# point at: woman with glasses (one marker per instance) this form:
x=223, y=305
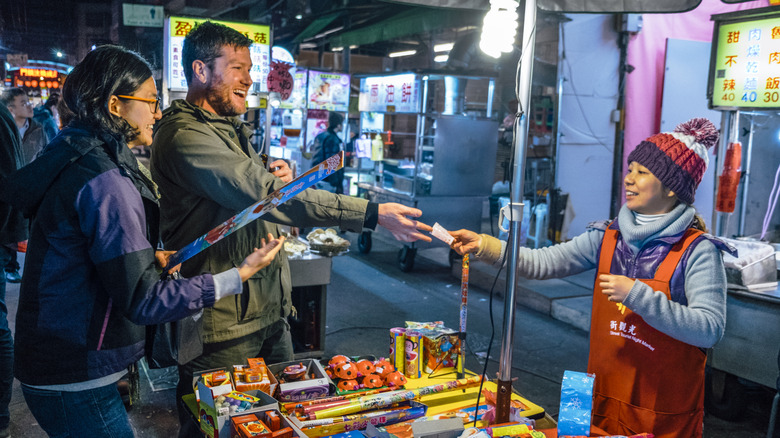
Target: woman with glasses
x=92, y=278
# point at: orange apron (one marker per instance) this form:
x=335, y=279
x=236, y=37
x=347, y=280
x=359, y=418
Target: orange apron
x=645, y=380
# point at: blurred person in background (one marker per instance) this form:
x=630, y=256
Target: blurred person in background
x=48, y=116
x=33, y=140
x=326, y=144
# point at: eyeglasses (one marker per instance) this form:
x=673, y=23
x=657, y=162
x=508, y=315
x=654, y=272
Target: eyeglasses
x=155, y=101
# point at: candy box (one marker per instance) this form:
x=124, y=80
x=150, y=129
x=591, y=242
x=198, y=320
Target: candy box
x=216, y=381
x=214, y=415
x=268, y=423
x=314, y=383
x=254, y=376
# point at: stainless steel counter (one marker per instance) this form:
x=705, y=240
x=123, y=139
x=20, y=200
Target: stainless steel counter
x=750, y=345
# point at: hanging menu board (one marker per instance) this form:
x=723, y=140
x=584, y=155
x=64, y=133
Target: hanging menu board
x=328, y=91
x=176, y=28
x=745, y=60
x=390, y=94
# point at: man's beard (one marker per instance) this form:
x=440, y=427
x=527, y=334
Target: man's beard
x=219, y=97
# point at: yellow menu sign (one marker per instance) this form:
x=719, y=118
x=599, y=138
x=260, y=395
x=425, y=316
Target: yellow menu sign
x=747, y=64
x=179, y=27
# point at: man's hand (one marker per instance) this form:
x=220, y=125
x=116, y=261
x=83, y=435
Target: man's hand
x=392, y=216
x=465, y=241
x=162, y=260
x=615, y=287
x=281, y=170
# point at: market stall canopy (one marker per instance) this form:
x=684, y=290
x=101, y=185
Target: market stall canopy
x=317, y=26
x=408, y=22
x=575, y=6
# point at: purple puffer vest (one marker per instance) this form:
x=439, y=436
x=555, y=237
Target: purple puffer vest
x=645, y=263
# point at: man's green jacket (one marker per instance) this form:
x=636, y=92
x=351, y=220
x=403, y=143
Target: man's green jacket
x=207, y=172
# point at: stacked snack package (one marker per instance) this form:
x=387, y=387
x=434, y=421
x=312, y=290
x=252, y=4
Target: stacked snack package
x=252, y=376
x=440, y=345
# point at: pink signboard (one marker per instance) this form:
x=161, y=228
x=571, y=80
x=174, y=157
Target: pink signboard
x=390, y=94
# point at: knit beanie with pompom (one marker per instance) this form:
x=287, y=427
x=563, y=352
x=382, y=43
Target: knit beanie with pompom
x=678, y=159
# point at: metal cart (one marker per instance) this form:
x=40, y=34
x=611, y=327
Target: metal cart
x=439, y=149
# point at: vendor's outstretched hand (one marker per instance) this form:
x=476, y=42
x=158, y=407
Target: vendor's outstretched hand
x=260, y=258
x=615, y=287
x=281, y=170
x=465, y=241
x=393, y=216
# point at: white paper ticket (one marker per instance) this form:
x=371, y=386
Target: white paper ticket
x=440, y=233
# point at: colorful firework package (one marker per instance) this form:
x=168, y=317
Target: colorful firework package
x=441, y=345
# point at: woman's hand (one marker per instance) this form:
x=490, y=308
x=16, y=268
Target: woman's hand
x=162, y=260
x=260, y=258
x=615, y=287
x=465, y=241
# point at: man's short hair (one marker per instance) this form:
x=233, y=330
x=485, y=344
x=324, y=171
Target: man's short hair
x=335, y=119
x=10, y=94
x=205, y=43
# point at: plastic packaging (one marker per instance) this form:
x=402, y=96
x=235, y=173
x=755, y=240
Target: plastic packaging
x=377, y=148
x=728, y=181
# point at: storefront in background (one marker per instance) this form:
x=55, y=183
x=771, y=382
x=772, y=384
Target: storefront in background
x=38, y=78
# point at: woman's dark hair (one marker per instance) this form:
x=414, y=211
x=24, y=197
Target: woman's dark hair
x=205, y=43
x=104, y=72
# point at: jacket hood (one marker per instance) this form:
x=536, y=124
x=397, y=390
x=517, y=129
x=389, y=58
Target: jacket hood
x=68, y=146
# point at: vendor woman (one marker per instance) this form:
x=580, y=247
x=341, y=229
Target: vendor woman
x=660, y=290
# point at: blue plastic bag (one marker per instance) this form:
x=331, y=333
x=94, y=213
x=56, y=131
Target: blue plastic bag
x=576, y=403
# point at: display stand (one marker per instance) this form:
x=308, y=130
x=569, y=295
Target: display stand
x=310, y=278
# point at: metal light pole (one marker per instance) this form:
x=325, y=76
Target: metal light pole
x=523, y=91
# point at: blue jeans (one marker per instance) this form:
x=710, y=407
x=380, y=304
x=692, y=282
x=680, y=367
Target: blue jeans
x=6, y=350
x=92, y=413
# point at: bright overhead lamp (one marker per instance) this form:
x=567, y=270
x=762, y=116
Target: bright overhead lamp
x=499, y=28
x=441, y=58
x=336, y=49
x=402, y=53
x=445, y=47
x=307, y=45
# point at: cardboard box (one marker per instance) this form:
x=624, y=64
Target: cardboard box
x=254, y=376
x=224, y=387
x=216, y=424
x=317, y=384
x=250, y=426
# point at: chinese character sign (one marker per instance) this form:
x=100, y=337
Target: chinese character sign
x=391, y=94
x=747, y=65
x=179, y=27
